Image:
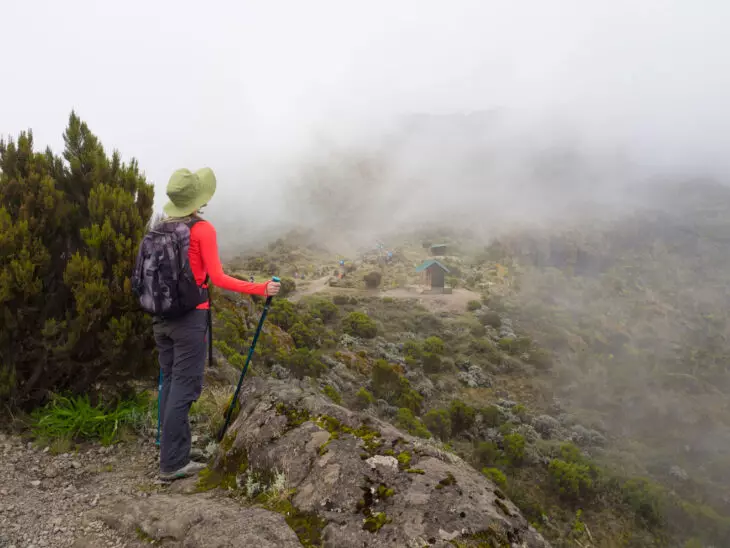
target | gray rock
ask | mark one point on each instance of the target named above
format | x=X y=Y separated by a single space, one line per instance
x=284 y=426
x=279 y=372
x=197 y=522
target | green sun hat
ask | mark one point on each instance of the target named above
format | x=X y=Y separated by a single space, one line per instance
x=189 y=191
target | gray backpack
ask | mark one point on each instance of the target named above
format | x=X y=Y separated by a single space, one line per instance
x=162 y=279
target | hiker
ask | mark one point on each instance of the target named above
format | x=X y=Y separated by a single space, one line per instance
x=181 y=340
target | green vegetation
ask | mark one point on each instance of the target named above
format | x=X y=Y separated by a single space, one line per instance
x=76 y=419
x=373 y=279
x=363 y=398
x=411 y=424
x=332 y=394
x=496 y=475
x=69 y=230
x=358 y=324
x=438 y=421
x=472 y=306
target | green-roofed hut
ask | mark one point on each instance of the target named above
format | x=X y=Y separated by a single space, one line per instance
x=433 y=275
x=438 y=250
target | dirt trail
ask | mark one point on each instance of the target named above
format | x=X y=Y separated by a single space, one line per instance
x=48 y=500
x=453 y=303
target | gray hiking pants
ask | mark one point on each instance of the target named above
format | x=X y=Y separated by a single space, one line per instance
x=181 y=343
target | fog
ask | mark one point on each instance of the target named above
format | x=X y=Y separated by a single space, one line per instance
x=476 y=109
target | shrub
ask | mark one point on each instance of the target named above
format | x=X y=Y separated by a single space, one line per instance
x=385 y=380
x=322 y=309
x=332 y=393
x=438 y=421
x=361 y=325
x=514 y=448
x=462 y=416
x=487 y=453
x=434 y=345
x=74 y=418
x=363 y=398
x=70 y=227
x=573 y=480
x=491 y=416
x=302 y=335
x=303 y=362
x=645 y=500
x=373 y=279
x=496 y=475
x=283 y=314
x=431 y=362
x=491 y=318
x=411 y=349
x=409 y=398
x=288 y=285
x=340 y=300
x=409 y=422
x=473 y=305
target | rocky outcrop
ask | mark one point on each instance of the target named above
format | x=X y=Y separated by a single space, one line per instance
x=198 y=522
x=359 y=481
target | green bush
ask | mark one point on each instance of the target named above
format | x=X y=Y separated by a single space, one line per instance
x=322 y=309
x=410 y=423
x=288 y=285
x=496 y=475
x=462 y=417
x=409 y=398
x=75 y=419
x=70 y=228
x=431 y=362
x=340 y=300
x=434 y=345
x=363 y=398
x=411 y=349
x=645 y=498
x=572 y=480
x=487 y=453
x=491 y=318
x=472 y=306
x=302 y=362
x=332 y=393
x=303 y=336
x=283 y=314
x=514 y=449
x=386 y=381
x=438 y=421
x=361 y=325
x=373 y=279
x=491 y=416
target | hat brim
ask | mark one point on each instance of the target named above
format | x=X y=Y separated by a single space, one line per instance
x=207 y=190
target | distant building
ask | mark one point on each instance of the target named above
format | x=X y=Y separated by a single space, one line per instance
x=438 y=250
x=433 y=276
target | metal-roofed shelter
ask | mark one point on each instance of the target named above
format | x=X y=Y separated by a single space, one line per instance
x=438 y=250
x=433 y=276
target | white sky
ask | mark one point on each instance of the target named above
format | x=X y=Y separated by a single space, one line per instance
x=242 y=86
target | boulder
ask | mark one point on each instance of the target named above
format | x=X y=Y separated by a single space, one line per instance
x=362 y=481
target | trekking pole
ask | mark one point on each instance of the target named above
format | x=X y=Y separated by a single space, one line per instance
x=159 y=414
x=232 y=405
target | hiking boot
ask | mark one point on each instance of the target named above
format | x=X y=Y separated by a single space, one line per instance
x=190 y=469
x=197 y=454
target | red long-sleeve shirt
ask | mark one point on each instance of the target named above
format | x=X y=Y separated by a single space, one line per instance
x=203 y=255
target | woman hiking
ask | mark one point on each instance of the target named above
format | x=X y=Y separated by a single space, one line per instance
x=181 y=340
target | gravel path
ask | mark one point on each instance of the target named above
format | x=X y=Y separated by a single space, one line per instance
x=45 y=498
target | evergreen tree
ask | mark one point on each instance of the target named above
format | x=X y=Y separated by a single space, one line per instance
x=69 y=231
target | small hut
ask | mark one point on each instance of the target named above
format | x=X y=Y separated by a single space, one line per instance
x=433 y=276
x=438 y=250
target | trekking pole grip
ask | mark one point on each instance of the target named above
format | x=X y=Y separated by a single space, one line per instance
x=273 y=279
